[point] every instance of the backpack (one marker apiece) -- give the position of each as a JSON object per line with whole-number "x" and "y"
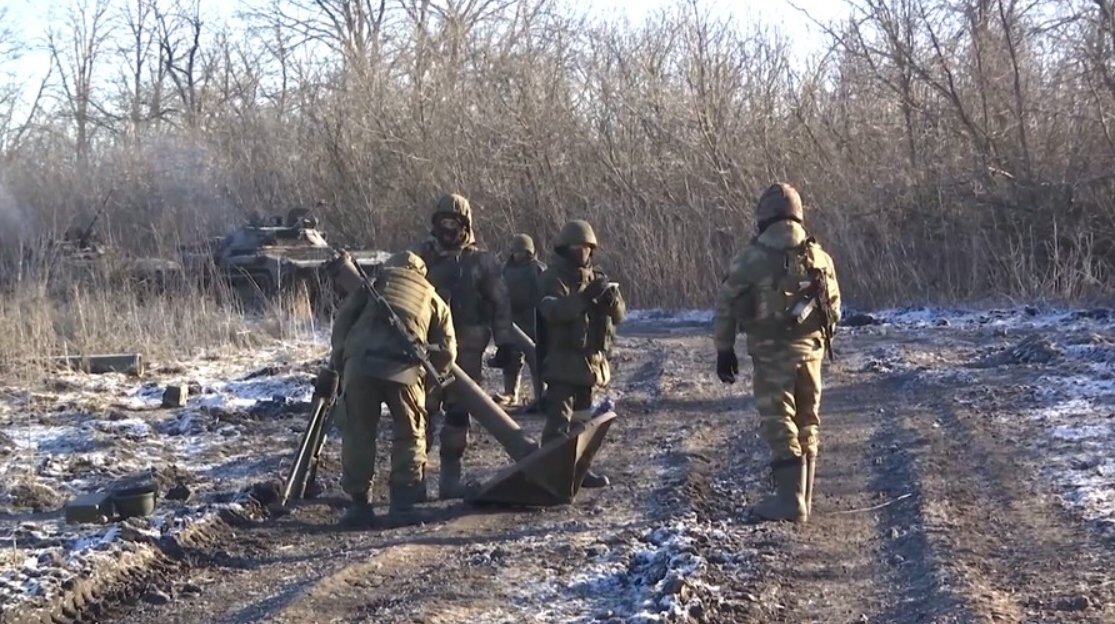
{"x": 786, "y": 299}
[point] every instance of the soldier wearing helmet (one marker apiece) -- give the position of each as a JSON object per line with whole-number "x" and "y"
{"x": 469, "y": 279}
{"x": 579, "y": 308}
{"x": 375, "y": 371}
{"x": 522, "y": 273}
{"x": 781, "y": 291}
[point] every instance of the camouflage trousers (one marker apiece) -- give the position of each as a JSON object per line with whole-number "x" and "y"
{"x": 562, "y": 402}
{"x": 788, "y": 397}
{"x": 363, "y": 400}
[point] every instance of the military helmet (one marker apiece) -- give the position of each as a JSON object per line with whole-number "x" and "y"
{"x": 455, "y": 205}
{"x": 576, "y": 232}
{"x": 522, "y": 243}
{"x": 779, "y": 201}
{"x": 406, "y": 260}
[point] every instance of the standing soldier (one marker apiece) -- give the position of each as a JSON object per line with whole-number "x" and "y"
{"x": 522, "y": 275}
{"x": 468, "y": 278}
{"x": 781, "y": 290}
{"x": 371, "y": 354}
{"x": 580, "y": 309}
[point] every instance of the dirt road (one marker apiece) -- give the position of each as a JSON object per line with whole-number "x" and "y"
{"x": 934, "y": 504}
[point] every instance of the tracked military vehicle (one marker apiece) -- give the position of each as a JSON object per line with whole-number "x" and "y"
{"x": 265, "y": 260}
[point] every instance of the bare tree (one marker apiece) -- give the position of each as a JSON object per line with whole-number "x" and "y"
{"x": 75, "y": 53}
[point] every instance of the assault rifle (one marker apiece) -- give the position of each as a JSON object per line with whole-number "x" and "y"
{"x": 815, "y": 297}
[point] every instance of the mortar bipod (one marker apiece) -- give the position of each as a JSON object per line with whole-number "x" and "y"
{"x": 540, "y": 477}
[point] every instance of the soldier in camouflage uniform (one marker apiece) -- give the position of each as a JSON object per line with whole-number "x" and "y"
{"x": 522, "y": 274}
{"x": 580, "y": 309}
{"x": 781, "y": 291}
{"x": 469, "y": 279}
{"x": 370, "y": 353}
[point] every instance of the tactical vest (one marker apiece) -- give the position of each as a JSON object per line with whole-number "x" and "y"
{"x": 457, "y": 278}
{"x": 408, "y": 294}
{"x": 765, "y": 310}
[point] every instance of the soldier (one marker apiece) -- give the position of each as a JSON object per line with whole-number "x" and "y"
{"x": 781, "y": 290}
{"x": 580, "y": 309}
{"x": 522, "y": 274}
{"x": 468, "y": 278}
{"x": 370, "y": 353}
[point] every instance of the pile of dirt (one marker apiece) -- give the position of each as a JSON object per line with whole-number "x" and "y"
{"x": 32, "y": 495}
{"x": 1034, "y": 349}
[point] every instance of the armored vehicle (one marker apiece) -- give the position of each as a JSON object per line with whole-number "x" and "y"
{"x": 264, "y": 260}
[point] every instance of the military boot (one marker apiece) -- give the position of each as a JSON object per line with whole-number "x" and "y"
{"x": 454, "y": 440}
{"x": 788, "y": 500}
{"x": 595, "y": 480}
{"x": 405, "y": 497}
{"x": 449, "y": 481}
{"x": 359, "y": 514}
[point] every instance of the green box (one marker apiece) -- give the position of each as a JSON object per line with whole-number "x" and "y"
{"x": 94, "y": 508}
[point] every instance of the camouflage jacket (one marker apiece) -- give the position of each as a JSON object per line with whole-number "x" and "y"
{"x": 578, "y": 337}
{"x": 761, "y": 287}
{"x": 470, "y": 281}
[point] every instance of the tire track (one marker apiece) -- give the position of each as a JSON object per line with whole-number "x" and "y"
{"x": 851, "y": 562}
{"x": 1011, "y": 550}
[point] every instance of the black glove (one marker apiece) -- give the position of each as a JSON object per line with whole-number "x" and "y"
{"x": 595, "y": 289}
{"x": 502, "y": 358}
{"x": 727, "y": 366}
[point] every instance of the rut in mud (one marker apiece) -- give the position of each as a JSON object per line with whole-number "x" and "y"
{"x": 929, "y": 508}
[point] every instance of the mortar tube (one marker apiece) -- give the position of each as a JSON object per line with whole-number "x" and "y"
{"x": 491, "y": 416}
{"x": 530, "y": 353}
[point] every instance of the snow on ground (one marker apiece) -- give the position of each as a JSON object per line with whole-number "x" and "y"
{"x": 1026, "y": 317}
{"x": 1078, "y": 413}
{"x": 635, "y": 575}
{"x": 85, "y": 433}
{"x": 1061, "y": 364}
{"x": 670, "y": 317}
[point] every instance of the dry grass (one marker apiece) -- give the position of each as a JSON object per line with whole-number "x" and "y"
{"x": 947, "y": 150}
{"x": 39, "y": 320}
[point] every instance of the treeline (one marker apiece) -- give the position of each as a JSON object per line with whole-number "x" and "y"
{"x": 947, "y": 150}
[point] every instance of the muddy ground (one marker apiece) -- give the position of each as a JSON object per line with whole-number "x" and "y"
{"x": 949, "y": 490}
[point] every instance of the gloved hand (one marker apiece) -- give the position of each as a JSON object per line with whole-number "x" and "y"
{"x": 326, "y": 384}
{"x": 502, "y": 358}
{"x": 608, "y": 299}
{"x": 727, "y": 366}
{"x": 596, "y": 288}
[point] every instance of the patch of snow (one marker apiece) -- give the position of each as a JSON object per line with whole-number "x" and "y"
{"x": 1027, "y": 317}
{"x": 635, "y": 577}
{"x": 85, "y": 433}
{"x": 654, "y": 581}
{"x": 1079, "y": 419}
{"x": 670, "y": 317}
